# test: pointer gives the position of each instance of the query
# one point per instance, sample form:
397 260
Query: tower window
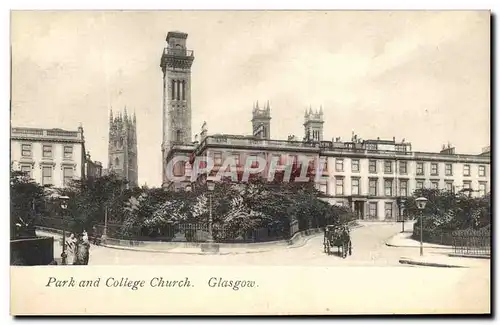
183 89
173 89
178 89
117 161
179 136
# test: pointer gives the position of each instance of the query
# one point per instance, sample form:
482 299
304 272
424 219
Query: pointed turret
111 115
134 119
321 109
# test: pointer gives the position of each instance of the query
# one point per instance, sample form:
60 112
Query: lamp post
421 202
64 206
401 205
210 246
211 187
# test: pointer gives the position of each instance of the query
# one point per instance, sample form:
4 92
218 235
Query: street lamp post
421 202
211 187
64 206
401 205
210 246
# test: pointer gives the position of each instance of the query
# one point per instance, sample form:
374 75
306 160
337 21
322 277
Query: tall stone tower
122 147
261 121
176 61
313 125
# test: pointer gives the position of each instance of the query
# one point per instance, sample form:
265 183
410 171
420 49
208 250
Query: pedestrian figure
83 250
70 249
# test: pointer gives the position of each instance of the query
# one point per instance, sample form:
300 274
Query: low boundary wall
159 245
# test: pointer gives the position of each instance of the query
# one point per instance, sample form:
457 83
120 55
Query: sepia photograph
342 151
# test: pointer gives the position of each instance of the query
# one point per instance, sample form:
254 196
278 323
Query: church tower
261 121
122 147
313 125
176 61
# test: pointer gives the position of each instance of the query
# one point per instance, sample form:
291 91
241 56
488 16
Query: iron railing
472 242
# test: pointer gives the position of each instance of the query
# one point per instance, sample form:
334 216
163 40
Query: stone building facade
48 156
122 147
370 176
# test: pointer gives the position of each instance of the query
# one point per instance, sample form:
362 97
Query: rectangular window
448 170
449 186
482 170
435 185
179 169
434 169
402 167
323 188
67 175
372 187
388 210
236 158
26 150
339 186
68 152
26 169
467 184
217 158
420 185
373 166
339 165
388 167
325 163
355 186
46 175
403 188
47 151
482 189
355 165
372 210
420 168
253 161
388 187
466 170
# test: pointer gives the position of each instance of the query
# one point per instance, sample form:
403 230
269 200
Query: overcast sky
422 76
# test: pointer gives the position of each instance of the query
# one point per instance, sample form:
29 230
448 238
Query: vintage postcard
250 162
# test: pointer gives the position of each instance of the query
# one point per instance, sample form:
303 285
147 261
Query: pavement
404 239
372 280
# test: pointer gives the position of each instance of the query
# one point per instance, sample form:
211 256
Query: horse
339 237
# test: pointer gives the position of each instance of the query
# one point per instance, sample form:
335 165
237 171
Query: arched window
173 90
117 161
178 89
183 89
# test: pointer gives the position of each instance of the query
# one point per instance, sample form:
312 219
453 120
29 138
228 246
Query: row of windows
403 167
178 90
47 174
373 210
403 186
47 151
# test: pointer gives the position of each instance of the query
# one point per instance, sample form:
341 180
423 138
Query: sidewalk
404 240
443 260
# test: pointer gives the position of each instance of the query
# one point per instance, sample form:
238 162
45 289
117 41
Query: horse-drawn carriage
337 235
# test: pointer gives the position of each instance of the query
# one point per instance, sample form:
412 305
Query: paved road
368 249
369 281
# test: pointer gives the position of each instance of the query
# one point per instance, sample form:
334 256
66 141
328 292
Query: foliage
446 211
26 200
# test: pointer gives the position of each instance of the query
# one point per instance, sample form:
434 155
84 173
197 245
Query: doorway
359 209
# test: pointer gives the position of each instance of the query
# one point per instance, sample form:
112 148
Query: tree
26 200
